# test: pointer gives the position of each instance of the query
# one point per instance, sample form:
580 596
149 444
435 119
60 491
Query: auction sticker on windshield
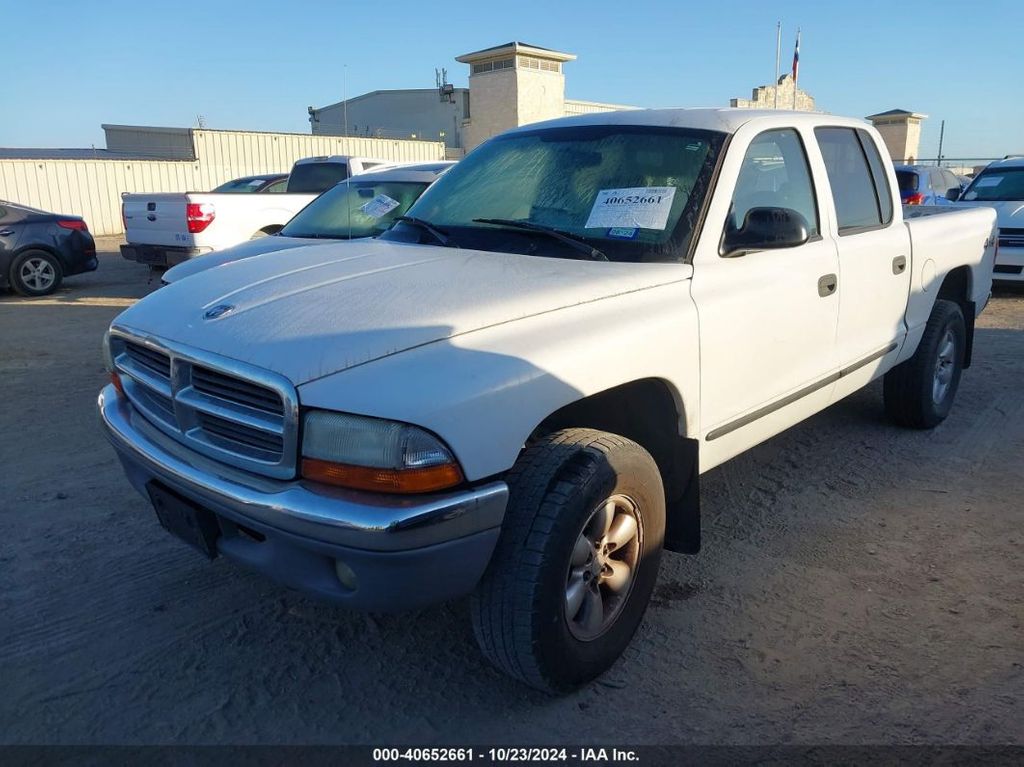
379 206
644 207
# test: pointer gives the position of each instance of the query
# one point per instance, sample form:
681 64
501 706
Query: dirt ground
859 584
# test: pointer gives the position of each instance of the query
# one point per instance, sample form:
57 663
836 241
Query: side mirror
766 229
954 193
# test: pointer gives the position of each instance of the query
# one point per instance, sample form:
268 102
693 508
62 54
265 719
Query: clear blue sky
257 65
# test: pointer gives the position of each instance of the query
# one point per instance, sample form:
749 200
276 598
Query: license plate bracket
151 256
184 519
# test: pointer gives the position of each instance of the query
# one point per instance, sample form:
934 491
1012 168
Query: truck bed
161 219
940 238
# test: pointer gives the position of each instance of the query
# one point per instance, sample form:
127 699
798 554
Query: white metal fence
959 165
92 188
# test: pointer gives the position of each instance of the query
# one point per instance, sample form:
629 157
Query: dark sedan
39 249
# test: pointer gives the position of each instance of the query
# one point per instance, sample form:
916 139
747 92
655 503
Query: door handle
6 232
827 285
899 264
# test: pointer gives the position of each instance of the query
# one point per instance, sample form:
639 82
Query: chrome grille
221 429
151 359
1011 238
227 410
236 390
160 406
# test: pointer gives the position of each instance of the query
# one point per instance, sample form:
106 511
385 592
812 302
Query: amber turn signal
424 480
116 380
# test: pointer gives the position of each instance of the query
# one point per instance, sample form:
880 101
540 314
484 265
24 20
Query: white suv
1001 186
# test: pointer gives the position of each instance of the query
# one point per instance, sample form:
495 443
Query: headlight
108 363
374 454
108 357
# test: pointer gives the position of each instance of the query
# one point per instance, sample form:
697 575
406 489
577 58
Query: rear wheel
36 273
919 392
576 562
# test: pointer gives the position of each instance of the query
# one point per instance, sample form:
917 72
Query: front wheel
919 392
576 562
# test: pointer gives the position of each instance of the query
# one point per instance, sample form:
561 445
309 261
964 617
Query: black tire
519 610
25 286
911 396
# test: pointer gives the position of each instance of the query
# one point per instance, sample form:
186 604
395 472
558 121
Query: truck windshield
635 193
354 209
996 185
316 177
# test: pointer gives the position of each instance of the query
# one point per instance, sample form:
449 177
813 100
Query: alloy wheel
602 567
37 273
944 367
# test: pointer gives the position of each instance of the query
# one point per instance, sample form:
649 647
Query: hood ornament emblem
218 311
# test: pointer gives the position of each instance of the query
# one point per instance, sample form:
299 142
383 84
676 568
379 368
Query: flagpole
778 54
796 66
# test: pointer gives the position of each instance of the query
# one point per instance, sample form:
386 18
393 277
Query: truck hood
247 249
1008 212
327 308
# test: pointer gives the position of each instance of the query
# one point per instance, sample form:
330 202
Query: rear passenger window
882 188
862 197
775 174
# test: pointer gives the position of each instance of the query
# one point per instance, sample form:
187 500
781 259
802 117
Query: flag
796 58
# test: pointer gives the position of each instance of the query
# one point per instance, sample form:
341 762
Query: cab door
767 318
874 256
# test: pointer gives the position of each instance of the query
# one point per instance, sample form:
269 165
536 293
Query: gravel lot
859 584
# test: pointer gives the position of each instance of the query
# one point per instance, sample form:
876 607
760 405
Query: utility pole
778 54
344 94
942 134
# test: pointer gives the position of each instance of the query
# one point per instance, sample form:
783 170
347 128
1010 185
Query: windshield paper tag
644 207
379 206
622 233
990 181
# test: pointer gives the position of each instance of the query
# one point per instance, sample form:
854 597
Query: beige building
778 96
510 85
901 132
517 84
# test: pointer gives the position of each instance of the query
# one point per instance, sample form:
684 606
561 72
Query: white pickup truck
513 392
1001 186
168 228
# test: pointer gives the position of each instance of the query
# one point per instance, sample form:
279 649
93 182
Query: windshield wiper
570 240
437 234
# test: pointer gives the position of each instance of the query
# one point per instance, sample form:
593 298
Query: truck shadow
804 501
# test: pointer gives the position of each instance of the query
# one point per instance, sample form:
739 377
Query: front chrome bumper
385 537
